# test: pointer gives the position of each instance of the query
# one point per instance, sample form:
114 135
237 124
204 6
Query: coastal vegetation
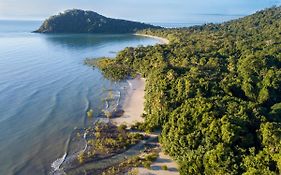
80 21
106 140
111 70
215 91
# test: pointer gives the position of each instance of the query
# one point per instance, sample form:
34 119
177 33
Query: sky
138 10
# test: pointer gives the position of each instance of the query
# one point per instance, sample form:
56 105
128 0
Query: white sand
156 166
162 40
134 103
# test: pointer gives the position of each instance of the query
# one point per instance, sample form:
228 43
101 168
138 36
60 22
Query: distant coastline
163 40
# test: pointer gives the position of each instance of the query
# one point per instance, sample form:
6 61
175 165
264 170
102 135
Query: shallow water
45 91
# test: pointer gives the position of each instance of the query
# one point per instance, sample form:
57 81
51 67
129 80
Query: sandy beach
134 103
133 109
163 40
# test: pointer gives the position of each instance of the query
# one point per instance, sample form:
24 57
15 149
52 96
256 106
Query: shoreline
133 104
133 107
163 40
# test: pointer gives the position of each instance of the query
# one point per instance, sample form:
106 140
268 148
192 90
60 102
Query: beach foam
57 163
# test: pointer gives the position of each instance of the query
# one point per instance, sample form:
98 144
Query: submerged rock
117 113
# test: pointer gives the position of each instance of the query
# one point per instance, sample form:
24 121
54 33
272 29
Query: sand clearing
156 166
134 103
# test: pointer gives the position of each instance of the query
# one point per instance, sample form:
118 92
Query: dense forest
215 91
80 21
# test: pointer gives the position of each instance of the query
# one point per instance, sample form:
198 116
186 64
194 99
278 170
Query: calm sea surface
45 91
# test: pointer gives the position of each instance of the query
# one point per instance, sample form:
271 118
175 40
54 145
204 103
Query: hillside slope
215 91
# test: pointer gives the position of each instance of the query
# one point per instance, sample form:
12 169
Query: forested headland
80 21
215 91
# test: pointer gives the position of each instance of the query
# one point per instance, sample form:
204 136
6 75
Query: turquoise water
45 91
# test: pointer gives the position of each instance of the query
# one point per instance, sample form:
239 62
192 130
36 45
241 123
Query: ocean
46 90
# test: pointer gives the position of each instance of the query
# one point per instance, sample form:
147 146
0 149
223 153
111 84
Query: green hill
79 21
215 91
